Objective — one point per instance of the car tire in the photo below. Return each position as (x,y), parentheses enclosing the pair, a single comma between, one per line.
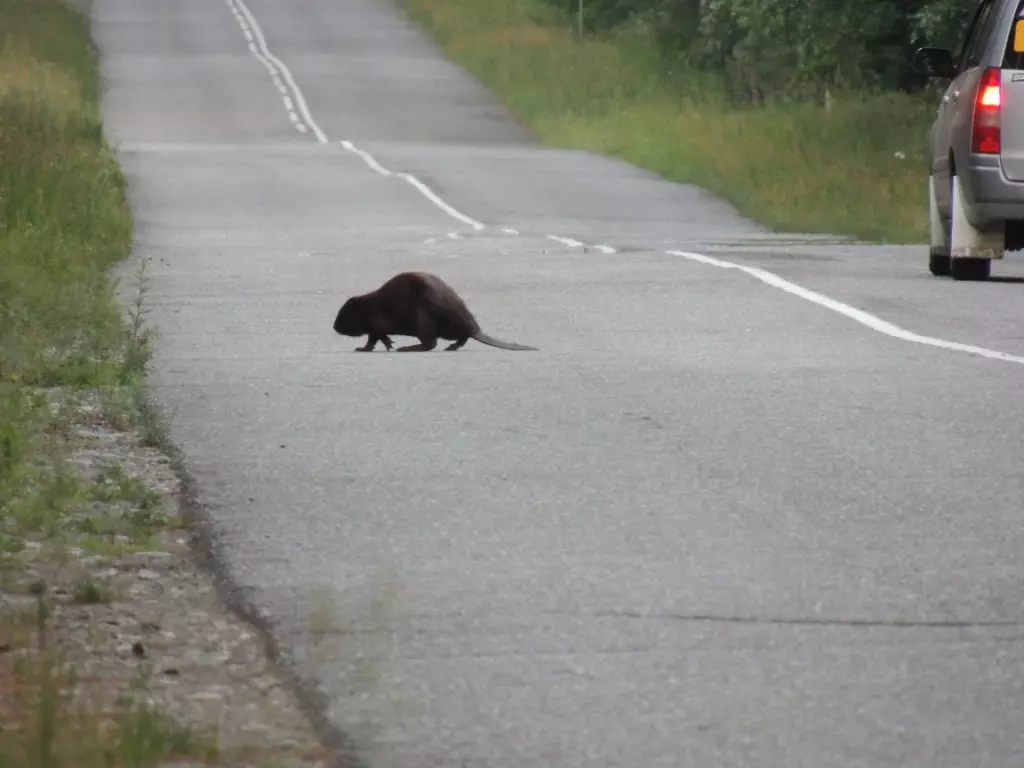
(939,264)
(970,269)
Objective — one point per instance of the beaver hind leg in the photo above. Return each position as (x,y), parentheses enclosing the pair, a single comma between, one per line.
(426,344)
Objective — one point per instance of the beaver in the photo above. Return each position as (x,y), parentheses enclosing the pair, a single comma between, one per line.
(415,304)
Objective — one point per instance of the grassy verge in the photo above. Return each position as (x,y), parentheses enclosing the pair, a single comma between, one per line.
(64,222)
(855,169)
(53,718)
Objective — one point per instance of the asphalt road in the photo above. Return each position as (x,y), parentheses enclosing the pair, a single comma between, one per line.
(714,521)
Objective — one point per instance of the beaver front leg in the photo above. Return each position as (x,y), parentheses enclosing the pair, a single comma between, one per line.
(371,342)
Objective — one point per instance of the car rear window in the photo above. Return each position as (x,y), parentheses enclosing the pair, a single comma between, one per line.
(1011,58)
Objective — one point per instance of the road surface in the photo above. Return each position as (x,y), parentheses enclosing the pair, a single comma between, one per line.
(756,501)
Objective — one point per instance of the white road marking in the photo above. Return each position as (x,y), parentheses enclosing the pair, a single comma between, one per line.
(277,68)
(566,241)
(453,236)
(295,104)
(577,244)
(426,191)
(859,315)
(302,119)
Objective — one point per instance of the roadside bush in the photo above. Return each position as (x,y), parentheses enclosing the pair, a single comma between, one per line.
(789,49)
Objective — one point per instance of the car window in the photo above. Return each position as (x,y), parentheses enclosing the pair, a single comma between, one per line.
(1012,59)
(976,37)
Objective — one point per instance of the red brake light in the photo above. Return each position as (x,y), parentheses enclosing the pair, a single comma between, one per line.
(985,134)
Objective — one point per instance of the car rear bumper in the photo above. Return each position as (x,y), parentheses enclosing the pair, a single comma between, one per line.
(993,197)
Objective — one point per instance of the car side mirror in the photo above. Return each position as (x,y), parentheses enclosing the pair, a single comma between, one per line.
(934,62)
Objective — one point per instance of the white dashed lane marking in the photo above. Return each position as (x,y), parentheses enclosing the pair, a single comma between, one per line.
(299,114)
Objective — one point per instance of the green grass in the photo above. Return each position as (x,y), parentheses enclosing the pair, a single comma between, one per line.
(793,167)
(64,222)
(44,726)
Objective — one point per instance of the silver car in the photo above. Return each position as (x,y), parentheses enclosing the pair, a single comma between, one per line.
(976,184)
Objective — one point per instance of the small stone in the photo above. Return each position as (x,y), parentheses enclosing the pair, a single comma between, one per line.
(264,684)
(206,696)
(153,556)
(135,648)
(147,574)
(256,728)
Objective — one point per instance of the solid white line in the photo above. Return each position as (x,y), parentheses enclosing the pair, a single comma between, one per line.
(273,73)
(369,159)
(566,241)
(510,231)
(426,191)
(429,194)
(859,315)
(295,104)
(250,25)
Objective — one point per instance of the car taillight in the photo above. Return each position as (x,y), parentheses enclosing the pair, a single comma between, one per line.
(985,138)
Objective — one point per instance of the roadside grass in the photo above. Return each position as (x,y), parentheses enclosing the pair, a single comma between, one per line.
(64,222)
(54,718)
(795,167)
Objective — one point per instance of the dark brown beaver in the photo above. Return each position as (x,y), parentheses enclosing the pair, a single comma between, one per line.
(413,304)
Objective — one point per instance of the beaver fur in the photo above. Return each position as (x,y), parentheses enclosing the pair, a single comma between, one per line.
(416,304)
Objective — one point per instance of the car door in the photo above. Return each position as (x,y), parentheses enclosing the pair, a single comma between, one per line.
(967,60)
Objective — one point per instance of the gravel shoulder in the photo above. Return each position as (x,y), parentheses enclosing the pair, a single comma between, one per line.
(138,610)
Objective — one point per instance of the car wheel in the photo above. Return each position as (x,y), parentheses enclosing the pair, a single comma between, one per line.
(970,269)
(938,264)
